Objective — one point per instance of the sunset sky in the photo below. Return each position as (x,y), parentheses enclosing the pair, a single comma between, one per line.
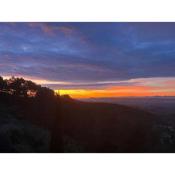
(92,59)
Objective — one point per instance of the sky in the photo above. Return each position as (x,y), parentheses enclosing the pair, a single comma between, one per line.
(88,60)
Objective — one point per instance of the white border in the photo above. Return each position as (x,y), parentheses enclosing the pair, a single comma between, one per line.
(87,164)
(89,10)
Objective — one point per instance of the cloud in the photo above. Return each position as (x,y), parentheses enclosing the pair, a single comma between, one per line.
(87,53)
(133,87)
(52,28)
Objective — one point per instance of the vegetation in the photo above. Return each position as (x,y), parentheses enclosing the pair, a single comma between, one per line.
(35,119)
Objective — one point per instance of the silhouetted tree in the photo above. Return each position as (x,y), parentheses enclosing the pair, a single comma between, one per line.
(17,86)
(44,92)
(1,83)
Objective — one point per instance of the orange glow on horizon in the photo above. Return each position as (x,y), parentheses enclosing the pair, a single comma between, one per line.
(119,91)
(140,87)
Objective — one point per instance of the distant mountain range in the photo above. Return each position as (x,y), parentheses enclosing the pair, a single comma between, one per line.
(158,104)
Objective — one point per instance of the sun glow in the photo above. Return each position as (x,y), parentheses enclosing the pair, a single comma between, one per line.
(161,86)
(73,92)
(117,92)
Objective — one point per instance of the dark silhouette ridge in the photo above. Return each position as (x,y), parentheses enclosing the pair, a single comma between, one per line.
(57,131)
(42,107)
(103,127)
(35,119)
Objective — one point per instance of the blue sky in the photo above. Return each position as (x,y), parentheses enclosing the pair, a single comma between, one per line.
(88,55)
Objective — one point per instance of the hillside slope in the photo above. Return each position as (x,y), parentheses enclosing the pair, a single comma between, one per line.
(18,135)
(29,112)
(103,127)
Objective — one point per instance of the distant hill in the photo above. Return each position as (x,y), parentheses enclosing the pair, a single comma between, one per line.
(158,104)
